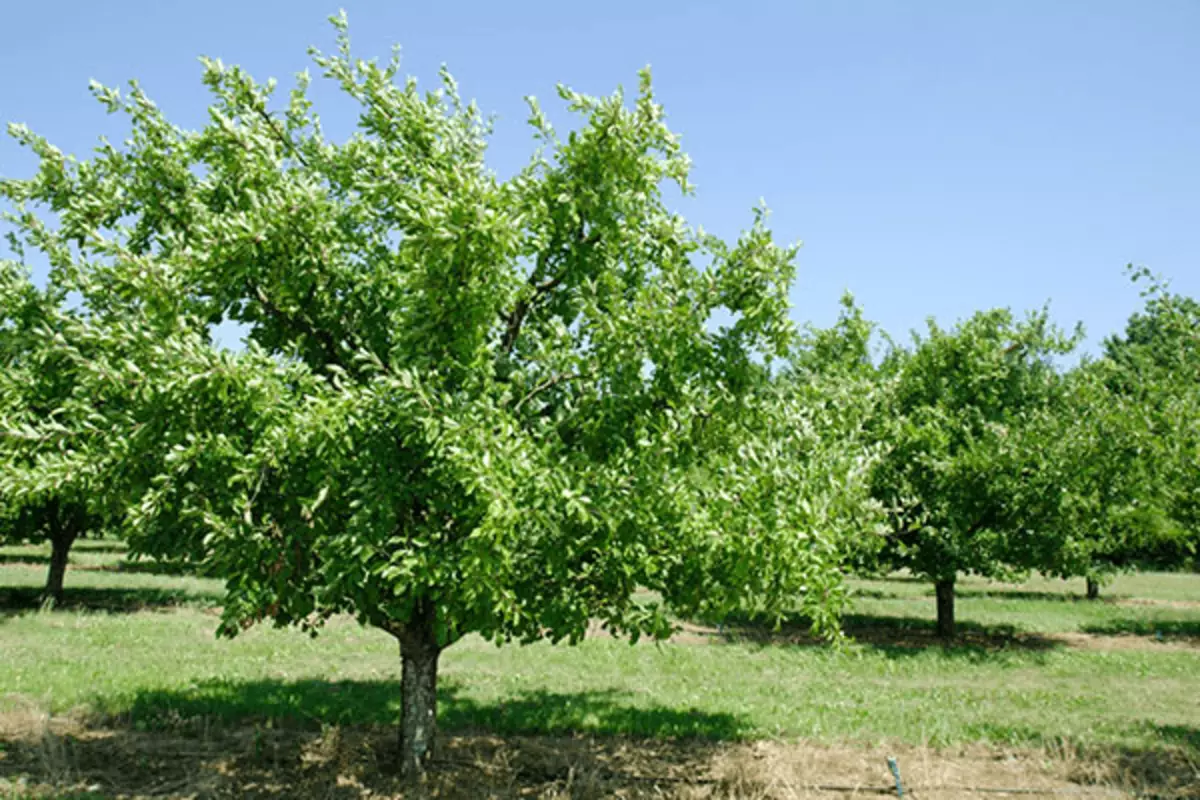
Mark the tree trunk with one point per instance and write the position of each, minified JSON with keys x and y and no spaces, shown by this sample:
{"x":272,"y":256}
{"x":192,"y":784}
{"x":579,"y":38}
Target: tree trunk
{"x":61,"y":538}
{"x":945,"y":608}
{"x":419,"y":653}
{"x":1093,"y":589}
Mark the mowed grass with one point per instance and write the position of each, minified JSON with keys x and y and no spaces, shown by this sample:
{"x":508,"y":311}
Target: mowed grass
{"x":160,"y":664}
{"x":1154,"y":604}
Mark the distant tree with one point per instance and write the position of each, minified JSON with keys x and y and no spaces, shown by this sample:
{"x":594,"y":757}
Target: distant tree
{"x":955,"y":429}
{"x":38,"y":390}
{"x":1091,"y":469}
{"x":94,"y":410}
{"x":1160,"y":343}
{"x":1153,"y":369}
{"x":473,"y":405}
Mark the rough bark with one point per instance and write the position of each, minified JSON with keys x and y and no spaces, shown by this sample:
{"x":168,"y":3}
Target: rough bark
{"x":1093,"y":589}
{"x":419,"y":652}
{"x":945,"y":608}
{"x":62,"y":536}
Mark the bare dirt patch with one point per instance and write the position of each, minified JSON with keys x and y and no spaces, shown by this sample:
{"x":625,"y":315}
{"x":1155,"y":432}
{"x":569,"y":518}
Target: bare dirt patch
{"x":42,"y":756}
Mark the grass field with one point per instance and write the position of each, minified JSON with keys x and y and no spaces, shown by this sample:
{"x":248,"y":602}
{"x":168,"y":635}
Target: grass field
{"x":125,"y":691}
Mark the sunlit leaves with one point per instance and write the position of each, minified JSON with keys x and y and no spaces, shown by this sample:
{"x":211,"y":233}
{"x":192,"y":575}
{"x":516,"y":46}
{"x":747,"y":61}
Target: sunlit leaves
{"x":509,"y":400}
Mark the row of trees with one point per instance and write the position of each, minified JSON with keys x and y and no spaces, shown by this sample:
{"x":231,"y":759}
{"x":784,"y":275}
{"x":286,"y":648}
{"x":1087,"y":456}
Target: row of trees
{"x":997,"y":461}
{"x":474,"y":405}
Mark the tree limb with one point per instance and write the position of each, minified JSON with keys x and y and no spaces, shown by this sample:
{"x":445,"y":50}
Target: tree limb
{"x":517,"y":318}
{"x":549,"y":383}
{"x":301,"y":323}
{"x":280,"y":135}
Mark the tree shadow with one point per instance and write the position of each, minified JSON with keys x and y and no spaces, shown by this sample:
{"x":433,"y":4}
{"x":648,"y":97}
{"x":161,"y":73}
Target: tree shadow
{"x":896,"y":579}
{"x":29,"y":559}
{"x":351,"y":764}
{"x":312,"y":738}
{"x":1179,"y":629}
{"x":338,"y":739}
{"x":311,"y":704}
{"x":138,"y":567}
{"x":23,"y":599}
{"x":894,"y":636}
{"x":99,"y":546}
{"x":153,"y":567}
{"x":879,"y":594}
{"x":1028,"y":594}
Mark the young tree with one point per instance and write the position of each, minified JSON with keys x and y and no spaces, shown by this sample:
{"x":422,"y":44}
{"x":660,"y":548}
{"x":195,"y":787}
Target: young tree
{"x":961,"y":397}
{"x":479,"y":405}
{"x":38,"y":387}
{"x":1153,"y":368}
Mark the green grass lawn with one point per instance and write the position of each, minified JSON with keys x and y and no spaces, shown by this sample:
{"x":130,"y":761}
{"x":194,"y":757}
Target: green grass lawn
{"x":1143,"y":603}
{"x":135,"y":648}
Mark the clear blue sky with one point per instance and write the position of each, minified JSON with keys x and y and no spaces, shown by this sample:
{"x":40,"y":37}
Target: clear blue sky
{"x":935,"y":157}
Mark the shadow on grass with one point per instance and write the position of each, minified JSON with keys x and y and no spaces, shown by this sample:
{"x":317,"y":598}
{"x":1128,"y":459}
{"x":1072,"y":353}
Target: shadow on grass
{"x":893,"y":578}
{"x":1025,"y":594}
{"x":359,"y":762}
{"x":22,"y":599}
{"x":311,"y":704}
{"x":880,"y":594}
{"x":141,"y":567}
{"x":30,"y":559}
{"x":99,"y":546}
{"x":990,"y":594}
{"x":277,"y":739}
{"x":1188,"y":629}
{"x":152,"y":567}
{"x":314,"y":738}
{"x":896,"y":637}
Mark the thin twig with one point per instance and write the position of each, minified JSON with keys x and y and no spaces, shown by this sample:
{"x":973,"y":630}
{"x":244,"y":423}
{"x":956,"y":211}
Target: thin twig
{"x":281,"y":135}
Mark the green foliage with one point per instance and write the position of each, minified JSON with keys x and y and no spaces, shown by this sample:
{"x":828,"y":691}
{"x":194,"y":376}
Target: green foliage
{"x":965,"y":437}
{"x":1154,"y":368}
{"x":493,"y":406}
{"x":832,"y":373}
{"x":1160,"y":342}
{"x":1089,"y":472}
{"x":46,"y":487}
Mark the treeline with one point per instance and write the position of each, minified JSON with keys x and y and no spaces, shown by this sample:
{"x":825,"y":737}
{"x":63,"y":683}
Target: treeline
{"x":502,"y":407}
{"x":996,"y":461}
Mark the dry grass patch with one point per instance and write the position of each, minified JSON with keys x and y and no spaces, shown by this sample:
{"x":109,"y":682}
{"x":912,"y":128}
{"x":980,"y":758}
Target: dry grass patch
{"x":46,"y":756}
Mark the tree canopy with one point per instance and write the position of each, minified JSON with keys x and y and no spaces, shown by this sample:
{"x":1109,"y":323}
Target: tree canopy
{"x":958,"y":430}
{"x":465,"y":404}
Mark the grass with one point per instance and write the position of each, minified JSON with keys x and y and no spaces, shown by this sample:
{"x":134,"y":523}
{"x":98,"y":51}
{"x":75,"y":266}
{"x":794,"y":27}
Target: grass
{"x":135,"y":651}
{"x":1135,"y":603}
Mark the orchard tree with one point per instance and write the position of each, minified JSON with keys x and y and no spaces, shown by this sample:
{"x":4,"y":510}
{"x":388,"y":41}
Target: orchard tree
{"x":1161,"y":342}
{"x":1091,"y":469}
{"x":954,"y":430}
{"x":1155,"y":364}
{"x":479,"y":405}
{"x":38,"y":388}
{"x":93,"y":409}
